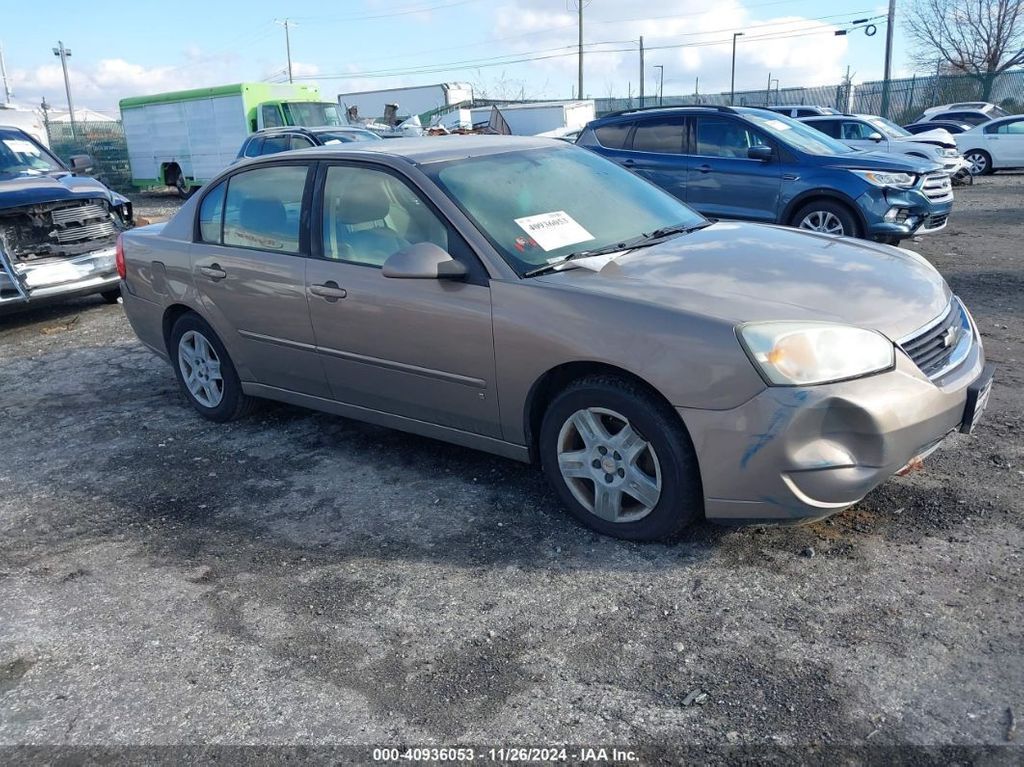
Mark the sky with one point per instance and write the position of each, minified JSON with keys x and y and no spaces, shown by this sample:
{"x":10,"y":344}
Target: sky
{"x":504,"y":48}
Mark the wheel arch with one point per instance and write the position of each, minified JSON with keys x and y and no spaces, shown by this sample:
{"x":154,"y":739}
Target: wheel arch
{"x":824,"y":194}
{"x":170,"y":171}
{"x":171,"y":315}
{"x":556,"y":379}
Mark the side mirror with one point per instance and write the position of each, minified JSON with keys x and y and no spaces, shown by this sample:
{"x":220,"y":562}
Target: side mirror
{"x":82,"y":163}
{"x":876,"y":137}
{"x":760,"y":152}
{"x":423,"y":261}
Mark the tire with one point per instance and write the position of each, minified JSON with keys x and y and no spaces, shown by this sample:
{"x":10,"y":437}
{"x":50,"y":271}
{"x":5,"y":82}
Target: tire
{"x":827,"y":217}
{"x":181,"y":184}
{"x":980,"y":160}
{"x":111,"y":296}
{"x":220,"y":396}
{"x":662,"y":457}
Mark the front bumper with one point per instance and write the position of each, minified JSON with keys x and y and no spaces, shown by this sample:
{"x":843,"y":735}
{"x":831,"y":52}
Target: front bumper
{"x":24,"y":282}
{"x":802,"y":453}
{"x":921,"y":214}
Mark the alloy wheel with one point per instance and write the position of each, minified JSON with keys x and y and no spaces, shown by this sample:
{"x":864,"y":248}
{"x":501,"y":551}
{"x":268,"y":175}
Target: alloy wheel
{"x":978,"y":161}
{"x":200,"y":369}
{"x":824,"y":221}
{"x":608,"y":465}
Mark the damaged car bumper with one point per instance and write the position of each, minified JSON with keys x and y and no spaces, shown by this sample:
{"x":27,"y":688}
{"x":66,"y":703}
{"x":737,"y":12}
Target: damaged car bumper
{"x":804,"y":453}
{"x":60,"y":277}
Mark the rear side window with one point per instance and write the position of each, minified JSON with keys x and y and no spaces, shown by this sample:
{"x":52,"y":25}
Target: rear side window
{"x":263,"y":208}
{"x":613,"y":136}
{"x":211,"y":213}
{"x":665,"y":136}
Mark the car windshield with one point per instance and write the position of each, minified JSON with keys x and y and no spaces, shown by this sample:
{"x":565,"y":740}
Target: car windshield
{"x":797,"y":134}
{"x":21,"y":156}
{"x":886,"y":128}
{"x":311,"y":113}
{"x":346,"y":137}
{"x":540,"y":205}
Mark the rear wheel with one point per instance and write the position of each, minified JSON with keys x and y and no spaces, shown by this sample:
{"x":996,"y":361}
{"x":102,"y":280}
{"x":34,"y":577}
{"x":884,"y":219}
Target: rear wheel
{"x":980,"y":161}
{"x":205,"y":372}
{"x":620,"y":460}
{"x":827,"y":217}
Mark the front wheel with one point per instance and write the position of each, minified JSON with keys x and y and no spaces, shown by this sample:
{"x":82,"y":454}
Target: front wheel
{"x":620,"y":460}
{"x":980,"y":162}
{"x":826,"y":217}
{"x":205,"y":372}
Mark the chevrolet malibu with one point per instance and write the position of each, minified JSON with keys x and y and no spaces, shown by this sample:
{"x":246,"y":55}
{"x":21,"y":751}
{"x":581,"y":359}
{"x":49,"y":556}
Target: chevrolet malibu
{"x":529,"y":298}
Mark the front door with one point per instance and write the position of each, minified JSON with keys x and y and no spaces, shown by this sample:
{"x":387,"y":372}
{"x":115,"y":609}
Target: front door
{"x":422,"y":349}
{"x":723,"y":181}
{"x":250,"y":271}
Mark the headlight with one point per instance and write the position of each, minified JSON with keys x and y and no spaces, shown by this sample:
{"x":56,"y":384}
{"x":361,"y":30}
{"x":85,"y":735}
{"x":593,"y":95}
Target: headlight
{"x":804,"y":353}
{"x":950,"y":153}
{"x":881,"y":178}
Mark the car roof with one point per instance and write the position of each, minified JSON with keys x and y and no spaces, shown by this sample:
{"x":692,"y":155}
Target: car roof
{"x":431,"y":149}
{"x":307,"y":129}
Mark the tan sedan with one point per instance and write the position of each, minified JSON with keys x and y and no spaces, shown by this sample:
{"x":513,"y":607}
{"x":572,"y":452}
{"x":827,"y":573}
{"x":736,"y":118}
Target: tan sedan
{"x":529,"y":298}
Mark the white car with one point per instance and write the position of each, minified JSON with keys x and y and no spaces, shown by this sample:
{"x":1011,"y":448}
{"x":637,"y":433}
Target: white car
{"x":996,"y":145}
{"x":876,"y":134}
{"x":973,"y":112}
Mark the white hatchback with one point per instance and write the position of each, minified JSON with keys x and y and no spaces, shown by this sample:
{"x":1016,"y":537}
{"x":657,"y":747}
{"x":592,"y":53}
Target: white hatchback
{"x":995,"y":145}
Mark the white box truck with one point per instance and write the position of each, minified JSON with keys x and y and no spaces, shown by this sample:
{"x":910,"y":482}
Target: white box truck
{"x":184,"y":138}
{"x":543,"y":118}
{"x":422,"y":101}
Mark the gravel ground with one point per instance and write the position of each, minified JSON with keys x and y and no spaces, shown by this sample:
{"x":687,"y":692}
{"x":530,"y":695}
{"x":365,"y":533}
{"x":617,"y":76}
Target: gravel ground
{"x":298,"y":578}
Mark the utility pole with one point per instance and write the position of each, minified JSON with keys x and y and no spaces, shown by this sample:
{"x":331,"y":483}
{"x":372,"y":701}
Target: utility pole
{"x":64,"y":54}
{"x":888,"y":58}
{"x":3,"y":76}
{"x":732,"y":81}
{"x":579,"y":51}
{"x":641,"y":72}
{"x":768,"y":91}
{"x":287,"y":46}
{"x":661,"y":85}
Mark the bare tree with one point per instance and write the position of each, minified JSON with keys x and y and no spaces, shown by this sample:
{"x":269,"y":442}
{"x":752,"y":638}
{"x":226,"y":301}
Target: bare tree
{"x":979,"y":38}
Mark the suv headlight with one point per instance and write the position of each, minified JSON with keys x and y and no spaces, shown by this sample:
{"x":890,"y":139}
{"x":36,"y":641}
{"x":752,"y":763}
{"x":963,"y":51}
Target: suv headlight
{"x":883,"y":178}
{"x":950,"y":153}
{"x":805,"y":353}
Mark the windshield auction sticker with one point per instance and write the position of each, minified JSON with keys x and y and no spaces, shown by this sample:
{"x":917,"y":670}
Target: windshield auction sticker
{"x":554,"y":230}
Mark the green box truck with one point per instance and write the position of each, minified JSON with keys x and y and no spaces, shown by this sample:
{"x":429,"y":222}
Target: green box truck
{"x":184,"y":138}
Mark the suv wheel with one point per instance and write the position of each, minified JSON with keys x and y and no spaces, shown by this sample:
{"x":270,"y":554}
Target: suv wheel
{"x":620,"y":460}
{"x":205,"y":372}
{"x":826,"y":217}
{"x":980,"y":162}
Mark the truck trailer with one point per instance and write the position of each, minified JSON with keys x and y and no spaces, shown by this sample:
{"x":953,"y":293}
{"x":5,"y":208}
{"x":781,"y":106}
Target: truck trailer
{"x":183,"y":138}
{"x":422,"y":101}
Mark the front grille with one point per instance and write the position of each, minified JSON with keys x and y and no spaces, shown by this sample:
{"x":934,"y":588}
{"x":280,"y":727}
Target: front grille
{"x":77,"y":214}
{"x":941,"y":345}
{"x":94,"y":231}
{"x":937,"y":187}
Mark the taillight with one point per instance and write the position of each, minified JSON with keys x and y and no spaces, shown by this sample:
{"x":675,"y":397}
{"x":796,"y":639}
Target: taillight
{"x":119,"y":257}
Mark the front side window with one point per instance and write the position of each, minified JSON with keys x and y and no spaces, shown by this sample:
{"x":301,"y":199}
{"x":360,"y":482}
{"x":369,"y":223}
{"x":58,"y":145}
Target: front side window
{"x":263,"y":208}
{"x":533,"y":205}
{"x":665,"y":136}
{"x":857,"y":131}
{"x":797,"y":134}
{"x":271,"y":116}
{"x":722,"y":137}
{"x":368,"y":215}
{"x":299,"y":142}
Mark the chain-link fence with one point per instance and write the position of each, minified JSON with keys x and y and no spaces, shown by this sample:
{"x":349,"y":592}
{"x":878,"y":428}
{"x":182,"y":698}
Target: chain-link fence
{"x":908,"y":97}
{"x":103,"y":141}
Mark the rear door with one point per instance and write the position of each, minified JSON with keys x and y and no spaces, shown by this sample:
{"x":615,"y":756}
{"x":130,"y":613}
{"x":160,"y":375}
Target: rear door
{"x":1005,"y":142}
{"x":249,"y":268}
{"x":655,"y":151}
{"x":722,"y":181}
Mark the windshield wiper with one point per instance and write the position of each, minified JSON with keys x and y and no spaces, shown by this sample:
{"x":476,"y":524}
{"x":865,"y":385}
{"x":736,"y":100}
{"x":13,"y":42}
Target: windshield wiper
{"x":644,"y":240}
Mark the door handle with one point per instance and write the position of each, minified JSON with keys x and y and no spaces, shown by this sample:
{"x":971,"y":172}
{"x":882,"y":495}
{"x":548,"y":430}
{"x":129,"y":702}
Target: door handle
{"x":629,"y":163}
{"x":213,"y":271}
{"x":705,"y":168}
{"x":328,"y":290}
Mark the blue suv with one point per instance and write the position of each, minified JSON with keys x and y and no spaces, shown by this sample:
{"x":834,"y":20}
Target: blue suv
{"x":750,"y":163}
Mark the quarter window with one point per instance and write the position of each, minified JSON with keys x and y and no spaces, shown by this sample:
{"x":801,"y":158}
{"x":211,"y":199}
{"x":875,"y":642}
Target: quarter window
{"x":211,"y":213}
{"x":721,"y":137}
{"x":369,"y":214}
{"x":264,"y":208}
{"x":665,"y":136}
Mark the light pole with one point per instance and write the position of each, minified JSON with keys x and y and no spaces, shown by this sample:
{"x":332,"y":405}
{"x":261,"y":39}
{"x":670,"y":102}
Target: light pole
{"x":64,"y":54}
{"x":661,"y":84}
{"x":732,"y":85}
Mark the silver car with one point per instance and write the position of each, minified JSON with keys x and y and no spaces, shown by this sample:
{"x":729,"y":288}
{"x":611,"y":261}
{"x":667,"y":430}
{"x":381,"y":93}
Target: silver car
{"x":532,"y":299}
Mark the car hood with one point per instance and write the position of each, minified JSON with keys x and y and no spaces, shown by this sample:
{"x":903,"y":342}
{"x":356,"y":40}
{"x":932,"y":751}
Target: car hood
{"x":939,"y":137}
{"x":58,"y":187}
{"x":741,"y":272}
{"x":882,"y":161}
